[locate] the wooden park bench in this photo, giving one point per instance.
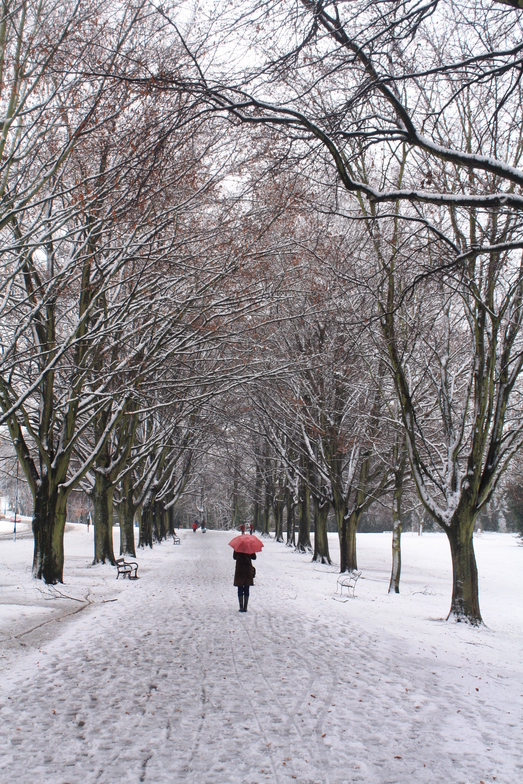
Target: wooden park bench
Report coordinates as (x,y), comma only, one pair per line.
(127,569)
(176,539)
(348,581)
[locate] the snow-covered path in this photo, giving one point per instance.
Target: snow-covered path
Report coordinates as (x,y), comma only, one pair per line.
(162,680)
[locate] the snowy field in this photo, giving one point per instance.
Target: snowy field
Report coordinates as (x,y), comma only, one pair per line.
(161,680)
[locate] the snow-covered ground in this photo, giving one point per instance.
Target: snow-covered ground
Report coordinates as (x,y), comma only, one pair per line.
(23,525)
(161,680)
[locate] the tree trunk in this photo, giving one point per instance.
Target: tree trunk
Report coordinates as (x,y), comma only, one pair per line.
(397,526)
(159,522)
(304,520)
(256,517)
(236,511)
(266,513)
(395,574)
(126,518)
(103,519)
(348,559)
(291,525)
(349,523)
(340,513)
(156,524)
(48,528)
(126,521)
(278,520)
(170,521)
(164,522)
(465,592)
(257,499)
(321,542)
(146,525)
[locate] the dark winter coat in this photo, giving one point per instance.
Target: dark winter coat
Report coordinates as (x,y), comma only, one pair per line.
(244,569)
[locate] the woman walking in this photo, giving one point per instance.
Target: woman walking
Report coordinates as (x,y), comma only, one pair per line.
(244,576)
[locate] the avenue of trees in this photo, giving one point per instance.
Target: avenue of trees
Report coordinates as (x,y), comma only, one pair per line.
(264,260)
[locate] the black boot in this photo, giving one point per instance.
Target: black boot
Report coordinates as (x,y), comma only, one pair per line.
(245,603)
(240,599)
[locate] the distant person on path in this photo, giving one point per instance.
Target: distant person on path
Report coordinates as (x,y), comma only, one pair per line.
(251,529)
(244,576)
(204,528)
(195,526)
(242,528)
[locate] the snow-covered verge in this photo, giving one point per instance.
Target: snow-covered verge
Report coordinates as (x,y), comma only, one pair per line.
(162,680)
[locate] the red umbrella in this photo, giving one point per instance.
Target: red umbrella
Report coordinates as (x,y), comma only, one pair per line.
(246,544)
